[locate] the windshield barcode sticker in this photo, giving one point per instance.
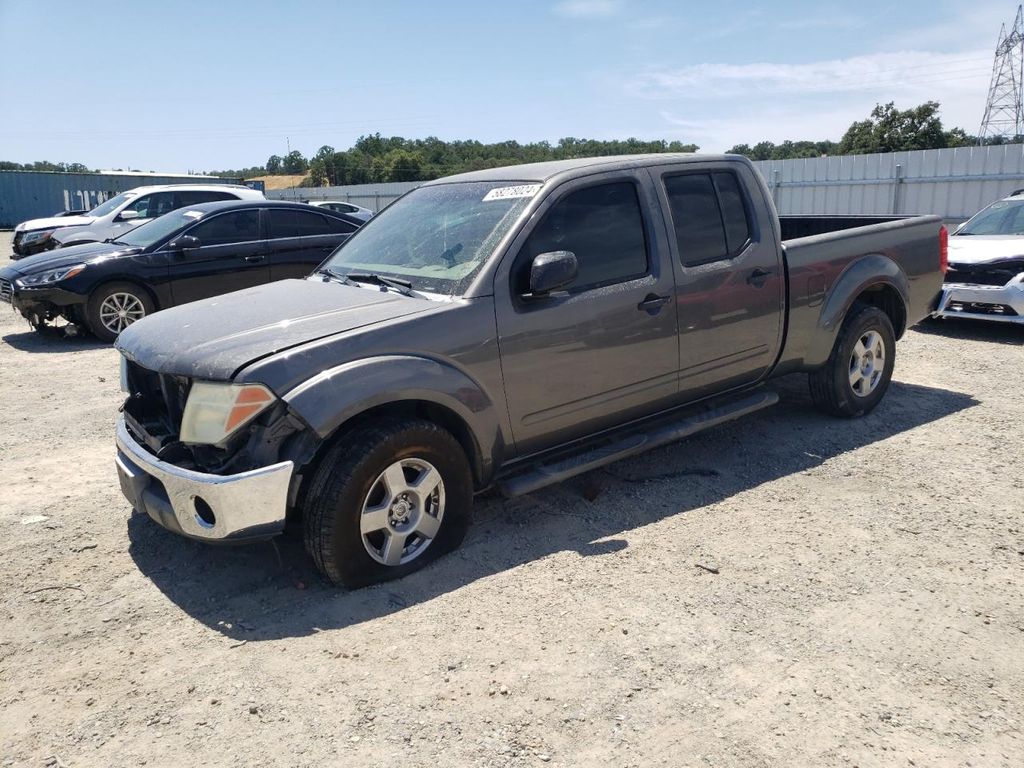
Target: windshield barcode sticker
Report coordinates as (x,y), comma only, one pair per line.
(507,193)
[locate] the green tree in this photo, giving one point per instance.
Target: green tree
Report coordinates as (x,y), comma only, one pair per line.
(892,130)
(274,165)
(294,163)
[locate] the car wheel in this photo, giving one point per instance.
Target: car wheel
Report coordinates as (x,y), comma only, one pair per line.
(387,500)
(857,374)
(114,307)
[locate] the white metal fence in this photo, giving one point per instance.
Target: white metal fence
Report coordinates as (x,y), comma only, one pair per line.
(372,196)
(954,183)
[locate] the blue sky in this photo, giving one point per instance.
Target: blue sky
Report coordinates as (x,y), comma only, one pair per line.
(223,84)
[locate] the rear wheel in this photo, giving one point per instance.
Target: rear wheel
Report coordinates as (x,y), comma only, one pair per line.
(857,374)
(386,500)
(114,307)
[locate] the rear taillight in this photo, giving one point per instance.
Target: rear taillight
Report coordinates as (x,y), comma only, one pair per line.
(943,249)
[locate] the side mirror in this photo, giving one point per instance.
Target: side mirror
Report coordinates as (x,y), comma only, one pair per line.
(128,215)
(551,271)
(184,243)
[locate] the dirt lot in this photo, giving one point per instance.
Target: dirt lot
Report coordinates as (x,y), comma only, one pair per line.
(867,607)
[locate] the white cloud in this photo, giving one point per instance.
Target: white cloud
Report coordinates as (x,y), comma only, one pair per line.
(586,9)
(720,105)
(870,73)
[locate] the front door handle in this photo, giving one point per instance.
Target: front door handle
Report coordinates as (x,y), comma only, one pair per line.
(254,259)
(758,276)
(652,303)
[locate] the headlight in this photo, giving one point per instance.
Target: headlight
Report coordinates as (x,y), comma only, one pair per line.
(215,411)
(38,236)
(51,276)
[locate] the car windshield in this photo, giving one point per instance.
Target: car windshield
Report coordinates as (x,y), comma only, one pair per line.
(1003,218)
(436,237)
(104,208)
(157,229)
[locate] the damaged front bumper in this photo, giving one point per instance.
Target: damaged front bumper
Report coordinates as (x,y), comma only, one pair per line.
(999,303)
(248,506)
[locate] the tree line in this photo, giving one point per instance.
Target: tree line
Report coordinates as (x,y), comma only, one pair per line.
(377,158)
(887,129)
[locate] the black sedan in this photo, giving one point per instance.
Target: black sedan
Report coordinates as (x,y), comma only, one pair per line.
(192,253)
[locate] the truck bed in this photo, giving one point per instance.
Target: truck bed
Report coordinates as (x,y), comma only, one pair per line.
(893,257)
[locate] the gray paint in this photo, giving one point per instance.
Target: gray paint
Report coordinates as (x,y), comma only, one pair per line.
(28,195)
(525,377)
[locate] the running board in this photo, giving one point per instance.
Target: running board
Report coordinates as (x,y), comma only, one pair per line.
(544,475)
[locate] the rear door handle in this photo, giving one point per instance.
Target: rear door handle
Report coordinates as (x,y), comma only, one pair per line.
(652,303)
(758,276)
(253,259)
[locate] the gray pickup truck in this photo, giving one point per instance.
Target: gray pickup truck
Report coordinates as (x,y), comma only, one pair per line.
(508,329)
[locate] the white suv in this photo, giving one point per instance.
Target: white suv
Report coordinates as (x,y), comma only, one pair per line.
(120,214)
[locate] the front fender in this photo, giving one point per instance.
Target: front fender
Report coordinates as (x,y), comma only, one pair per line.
(865,272)
(333,397)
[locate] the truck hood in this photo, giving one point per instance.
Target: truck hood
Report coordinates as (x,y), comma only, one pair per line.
(88,253)
(214,338)
(54,222)
(981,249)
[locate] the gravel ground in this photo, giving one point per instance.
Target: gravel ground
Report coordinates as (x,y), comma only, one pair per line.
(788,590)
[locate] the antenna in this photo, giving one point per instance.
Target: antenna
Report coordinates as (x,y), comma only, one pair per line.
(1004,111)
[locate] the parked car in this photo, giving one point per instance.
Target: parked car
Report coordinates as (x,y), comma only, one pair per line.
(189,254)
(118,215)
(337,206)
(510,327)
(985,280)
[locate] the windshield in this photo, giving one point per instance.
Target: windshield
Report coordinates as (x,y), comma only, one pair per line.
(435,237)
(157,229)
(104,208)
(1003,218)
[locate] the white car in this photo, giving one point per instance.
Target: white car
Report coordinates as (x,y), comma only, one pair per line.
(985,280)
(120,214)
(365,214)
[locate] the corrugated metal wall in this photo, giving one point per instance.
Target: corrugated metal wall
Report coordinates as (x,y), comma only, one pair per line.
(954,183)
(372,196)
(33,194)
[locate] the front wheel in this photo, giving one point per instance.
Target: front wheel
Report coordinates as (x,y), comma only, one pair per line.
(858,372)
(114,307)
(386,500)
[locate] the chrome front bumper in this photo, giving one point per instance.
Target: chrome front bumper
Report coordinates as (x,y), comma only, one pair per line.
(243,507)
(983,302)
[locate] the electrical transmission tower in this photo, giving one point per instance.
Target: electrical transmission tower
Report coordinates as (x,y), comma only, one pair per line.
(1004,111)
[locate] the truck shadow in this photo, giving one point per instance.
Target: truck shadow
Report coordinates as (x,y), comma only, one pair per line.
(974,330)
(269,591)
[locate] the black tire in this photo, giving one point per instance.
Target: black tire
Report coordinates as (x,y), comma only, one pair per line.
(94,307)
(352,470)
(831,387)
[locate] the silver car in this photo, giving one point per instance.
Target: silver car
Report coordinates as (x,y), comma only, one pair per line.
(985,280)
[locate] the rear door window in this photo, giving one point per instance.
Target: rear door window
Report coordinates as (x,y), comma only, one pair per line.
(151,206)
(602,225)
(709,216)
(734,211)
(232,227)
(289,223)
(696,218)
